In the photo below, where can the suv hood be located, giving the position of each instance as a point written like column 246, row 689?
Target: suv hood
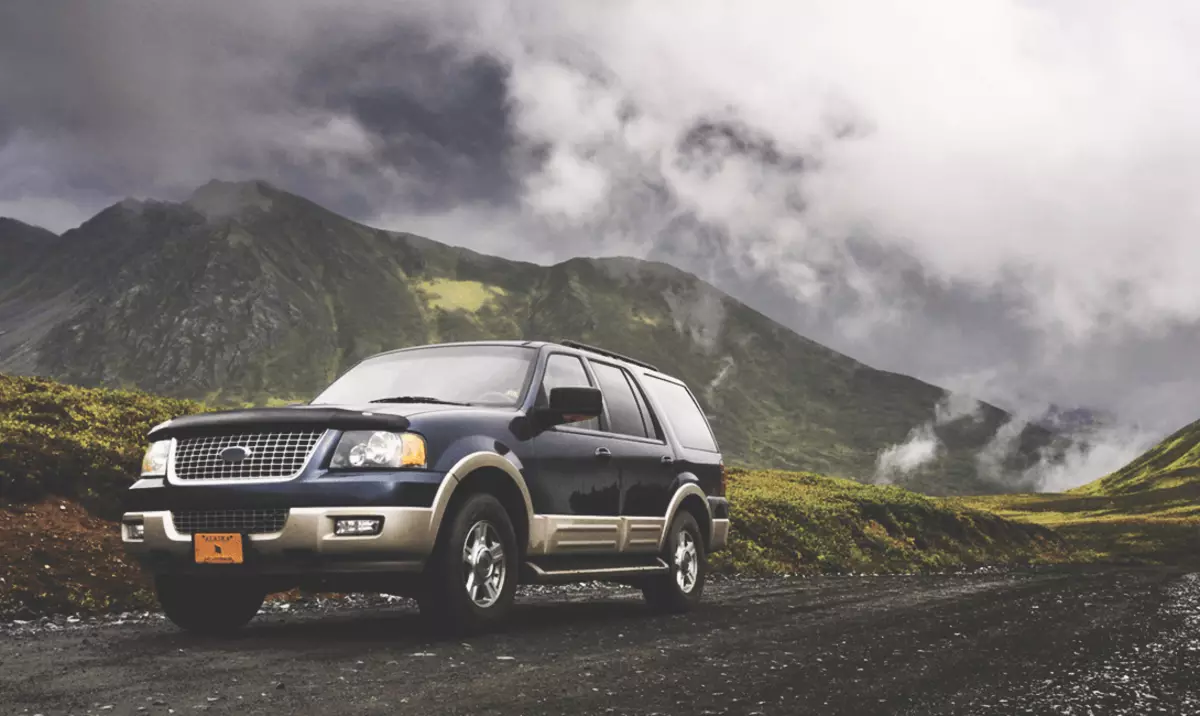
column 374, row 417
column 371, row 416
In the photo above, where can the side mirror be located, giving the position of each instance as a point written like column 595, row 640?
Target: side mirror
column 572, row 405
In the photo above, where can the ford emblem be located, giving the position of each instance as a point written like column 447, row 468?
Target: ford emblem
column 236, row 454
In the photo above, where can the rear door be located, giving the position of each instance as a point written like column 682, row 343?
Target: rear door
column 696, row 447
column 639, row 449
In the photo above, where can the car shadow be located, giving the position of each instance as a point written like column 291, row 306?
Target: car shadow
column 403, row 626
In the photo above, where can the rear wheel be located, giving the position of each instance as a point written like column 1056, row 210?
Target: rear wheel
column 471, row 577
column 208, row 606
column 680, row 589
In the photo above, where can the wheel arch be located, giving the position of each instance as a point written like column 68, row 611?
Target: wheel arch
column 691, row 498
column 492, row 473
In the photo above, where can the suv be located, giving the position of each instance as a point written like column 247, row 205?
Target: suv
column 447, row 473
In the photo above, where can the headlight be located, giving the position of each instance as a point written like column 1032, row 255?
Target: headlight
column 155, row 460
column 371, row 449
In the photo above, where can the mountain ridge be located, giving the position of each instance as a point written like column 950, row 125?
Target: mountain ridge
column 247, row 293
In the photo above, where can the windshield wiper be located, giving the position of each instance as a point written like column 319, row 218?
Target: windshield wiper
column 416, row 399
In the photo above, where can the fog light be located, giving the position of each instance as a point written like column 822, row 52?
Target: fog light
column 357, row 526
column 135, row 530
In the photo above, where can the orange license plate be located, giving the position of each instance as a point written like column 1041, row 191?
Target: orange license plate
column 218, row 549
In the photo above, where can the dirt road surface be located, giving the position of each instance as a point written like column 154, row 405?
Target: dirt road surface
column 1051, row 642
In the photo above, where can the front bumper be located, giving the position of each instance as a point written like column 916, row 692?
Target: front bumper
column 306, row 544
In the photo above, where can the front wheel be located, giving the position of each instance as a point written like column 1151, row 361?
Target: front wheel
column 208, row 606
column 471, row 578
column 680, row 589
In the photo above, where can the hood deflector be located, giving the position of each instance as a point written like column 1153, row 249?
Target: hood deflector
column 267, row 419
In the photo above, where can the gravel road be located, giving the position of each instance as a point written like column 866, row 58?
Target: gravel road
column 1048, row 642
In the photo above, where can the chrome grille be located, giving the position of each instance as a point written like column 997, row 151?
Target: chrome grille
column 248, row 521
column 273, row 456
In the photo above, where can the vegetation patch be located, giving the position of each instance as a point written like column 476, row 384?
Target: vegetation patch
column 451, row 295
column 1155, row 527
column 801, row 523
column 82, row 444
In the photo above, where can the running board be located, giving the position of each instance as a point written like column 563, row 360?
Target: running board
column 579, row 573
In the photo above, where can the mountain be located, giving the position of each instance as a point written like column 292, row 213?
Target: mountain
column 1173, row 463
column 246, row 293
column 1147, row 512
column 21, row 243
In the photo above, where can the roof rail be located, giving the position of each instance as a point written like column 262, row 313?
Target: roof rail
column 604, row 352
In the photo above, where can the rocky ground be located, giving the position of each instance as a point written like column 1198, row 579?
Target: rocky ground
column 1061, row 641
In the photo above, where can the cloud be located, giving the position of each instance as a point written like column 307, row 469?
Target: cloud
column 1089, row 459
column 923, row 445
column 988, row 139
column 898, row 461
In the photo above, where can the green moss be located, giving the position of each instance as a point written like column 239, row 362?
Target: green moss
column 801, row 523
column 79, row 443
column 451, row 295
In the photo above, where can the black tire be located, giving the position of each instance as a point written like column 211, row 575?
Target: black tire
column 444, row 597
column 208, row 606
column 670, row 593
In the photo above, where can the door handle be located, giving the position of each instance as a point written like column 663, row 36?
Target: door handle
column 603, row 453
column 667, row 461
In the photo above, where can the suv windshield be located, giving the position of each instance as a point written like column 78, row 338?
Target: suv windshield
column 476, row 375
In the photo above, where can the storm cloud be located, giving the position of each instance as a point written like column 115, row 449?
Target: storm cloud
column 998, row 193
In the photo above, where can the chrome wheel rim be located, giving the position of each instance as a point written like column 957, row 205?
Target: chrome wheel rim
column 484, row 569
column 687, row 562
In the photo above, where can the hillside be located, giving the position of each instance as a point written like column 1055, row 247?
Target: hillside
column 1174, row 462
column 20, row 243
column 1148, row 511
column 245, row 293
column 67, row 453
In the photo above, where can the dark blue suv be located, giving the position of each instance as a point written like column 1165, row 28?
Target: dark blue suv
column 448, row 473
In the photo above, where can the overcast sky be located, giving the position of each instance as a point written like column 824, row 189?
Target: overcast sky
column 996, row 196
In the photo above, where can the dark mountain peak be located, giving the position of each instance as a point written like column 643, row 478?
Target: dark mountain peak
column 12, row 230
column 230, row 199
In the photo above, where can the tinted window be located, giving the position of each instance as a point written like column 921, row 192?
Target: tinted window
column 681, row 410
column 480, row 375
column 564, row 371
column 623, row 414
column 652, row 427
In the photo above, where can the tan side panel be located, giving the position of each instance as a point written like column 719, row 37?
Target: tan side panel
column 569, row 534
column 642, row 534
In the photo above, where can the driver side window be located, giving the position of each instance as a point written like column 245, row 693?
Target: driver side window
column 564, row 371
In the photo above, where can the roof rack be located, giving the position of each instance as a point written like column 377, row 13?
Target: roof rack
column 604, row 352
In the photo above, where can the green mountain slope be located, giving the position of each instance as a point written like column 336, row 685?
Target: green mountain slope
column 1148, row 511
column 246, row 293
column 1174, row 462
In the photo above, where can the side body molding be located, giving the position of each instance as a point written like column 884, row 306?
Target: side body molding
column 460, row 470
column 564, row 534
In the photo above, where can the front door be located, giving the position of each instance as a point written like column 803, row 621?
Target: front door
column 574, row 473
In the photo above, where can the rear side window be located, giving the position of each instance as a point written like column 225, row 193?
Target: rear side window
column 691, row 427
column 624, row 416
column 564, row 371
